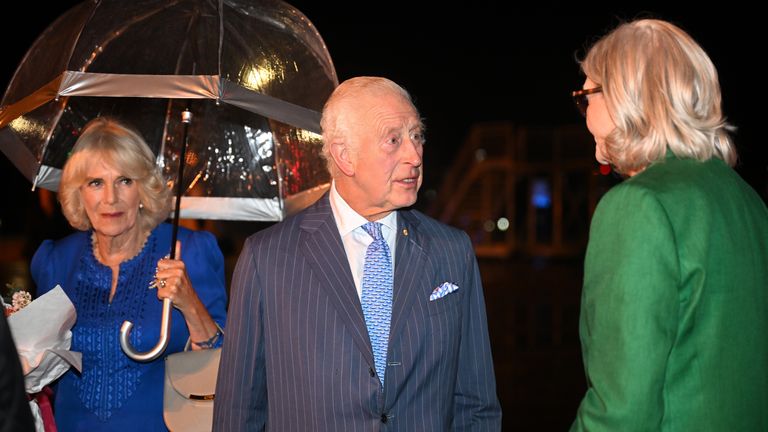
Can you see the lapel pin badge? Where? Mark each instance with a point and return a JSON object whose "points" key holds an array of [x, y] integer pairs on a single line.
{"points": [[405, 232]]}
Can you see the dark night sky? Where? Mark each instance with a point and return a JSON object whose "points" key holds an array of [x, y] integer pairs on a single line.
{"points": [[477, 61], [488, 60]]}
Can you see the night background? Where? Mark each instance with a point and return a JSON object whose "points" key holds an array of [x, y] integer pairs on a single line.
{"points": [[473, 64]]}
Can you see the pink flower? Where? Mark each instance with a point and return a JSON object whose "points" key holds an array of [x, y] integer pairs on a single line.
{"points": [[20, 299]]}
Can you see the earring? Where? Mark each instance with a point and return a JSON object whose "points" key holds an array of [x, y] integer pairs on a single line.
{"points": [[141, 206]]}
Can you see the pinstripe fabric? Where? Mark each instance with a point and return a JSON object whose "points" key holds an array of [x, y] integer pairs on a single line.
{"points": [[297, 355]]}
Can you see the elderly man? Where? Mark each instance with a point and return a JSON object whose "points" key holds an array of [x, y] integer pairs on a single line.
{"points": [[358, 314]]}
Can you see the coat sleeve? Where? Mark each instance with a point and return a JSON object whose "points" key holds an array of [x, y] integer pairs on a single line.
{"points": [[15, 414], [629, 312], [54, 261], [241, 388], [476, 405], [42, 268], [205, 266]]}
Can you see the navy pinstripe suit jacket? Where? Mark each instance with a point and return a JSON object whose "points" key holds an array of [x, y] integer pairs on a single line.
{"points": [[297, 356]]}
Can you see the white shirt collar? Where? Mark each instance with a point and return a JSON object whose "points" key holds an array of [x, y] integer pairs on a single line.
{"points": [[348, 220], [355, 239]]}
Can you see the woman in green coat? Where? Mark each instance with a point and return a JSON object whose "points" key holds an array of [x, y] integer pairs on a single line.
{"points": [[674, 311]]}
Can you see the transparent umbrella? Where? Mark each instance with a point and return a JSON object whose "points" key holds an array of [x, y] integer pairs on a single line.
{"points": [[254, 75]]}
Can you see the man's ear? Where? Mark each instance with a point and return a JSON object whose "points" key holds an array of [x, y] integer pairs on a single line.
{"points": [[343, 157]]}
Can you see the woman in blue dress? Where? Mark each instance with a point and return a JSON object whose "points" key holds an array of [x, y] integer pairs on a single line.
{"points": [[116, 269]]}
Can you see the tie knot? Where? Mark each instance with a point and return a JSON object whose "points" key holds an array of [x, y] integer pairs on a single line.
{"points": [[373, 229]]}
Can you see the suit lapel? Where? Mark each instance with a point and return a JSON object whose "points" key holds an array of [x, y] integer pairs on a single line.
{"points": [[325, 253], [410, 270]]}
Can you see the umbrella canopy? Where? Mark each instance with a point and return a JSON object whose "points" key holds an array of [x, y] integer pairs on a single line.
{"points": [[254, 74]]}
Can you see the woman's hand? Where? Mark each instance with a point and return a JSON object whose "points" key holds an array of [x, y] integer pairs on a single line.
{"points": [[173, 282]]}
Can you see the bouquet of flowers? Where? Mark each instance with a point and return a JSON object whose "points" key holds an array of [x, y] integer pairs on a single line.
{"points": [[17, 299], [41, 330]]}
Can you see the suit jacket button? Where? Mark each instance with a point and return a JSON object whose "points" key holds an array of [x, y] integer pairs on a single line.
{"points": [[384, 418], [372, 372]]}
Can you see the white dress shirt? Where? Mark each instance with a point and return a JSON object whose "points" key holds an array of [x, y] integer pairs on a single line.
{"points": [[354, 237]]}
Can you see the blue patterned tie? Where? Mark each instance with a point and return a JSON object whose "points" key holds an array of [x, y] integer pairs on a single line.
{"points": [[377, 295]]}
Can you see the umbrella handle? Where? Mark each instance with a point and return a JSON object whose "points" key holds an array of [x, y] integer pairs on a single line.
{"points": [[162, 344], [165, 320]]}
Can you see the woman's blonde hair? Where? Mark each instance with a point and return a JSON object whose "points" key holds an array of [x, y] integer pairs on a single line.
{"points": [[662, 91], [109, 140]]}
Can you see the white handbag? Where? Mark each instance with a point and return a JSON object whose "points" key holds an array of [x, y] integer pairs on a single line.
{"points": [[189, 389]]}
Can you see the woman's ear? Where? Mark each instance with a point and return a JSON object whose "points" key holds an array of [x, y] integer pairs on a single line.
{"points": [[343, 157]]}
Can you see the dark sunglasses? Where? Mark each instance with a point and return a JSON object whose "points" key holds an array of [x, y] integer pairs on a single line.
{"points": [[581, 99]]}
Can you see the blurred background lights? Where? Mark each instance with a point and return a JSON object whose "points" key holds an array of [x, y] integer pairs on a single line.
{"points": [[480, 155], [489, 225], [541, 196]]}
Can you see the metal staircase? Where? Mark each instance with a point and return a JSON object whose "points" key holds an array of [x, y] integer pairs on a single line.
{"points": [[521, 189]]}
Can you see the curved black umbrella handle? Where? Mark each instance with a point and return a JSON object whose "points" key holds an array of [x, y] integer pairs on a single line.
{"points": [[162, 343]]}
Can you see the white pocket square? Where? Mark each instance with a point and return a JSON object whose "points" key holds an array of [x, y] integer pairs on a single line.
{"points": [[443, 290]]}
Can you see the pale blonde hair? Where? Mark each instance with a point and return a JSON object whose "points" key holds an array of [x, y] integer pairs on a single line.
{"points": [[335, 119], [662, 91], [123, 148]]}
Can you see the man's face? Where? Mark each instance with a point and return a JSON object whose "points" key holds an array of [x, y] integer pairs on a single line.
{"points": [[386, 141]]}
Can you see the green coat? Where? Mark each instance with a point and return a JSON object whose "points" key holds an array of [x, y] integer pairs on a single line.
{"points": [[674, 310]]}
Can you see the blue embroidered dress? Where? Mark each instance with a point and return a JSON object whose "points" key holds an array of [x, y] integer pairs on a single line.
{"points": [[113, 392]]}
